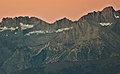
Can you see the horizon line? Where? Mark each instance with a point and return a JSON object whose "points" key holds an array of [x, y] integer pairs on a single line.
{"points": [[57, 18]]}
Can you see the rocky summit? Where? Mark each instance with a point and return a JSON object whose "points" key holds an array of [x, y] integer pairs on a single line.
{"points": [[91, 45]]}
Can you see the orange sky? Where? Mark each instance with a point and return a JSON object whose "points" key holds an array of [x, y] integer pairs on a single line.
{"points": [[51, 10]]}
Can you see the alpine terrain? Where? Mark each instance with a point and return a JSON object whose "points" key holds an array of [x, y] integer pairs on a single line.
{"points": [[90, 45]]}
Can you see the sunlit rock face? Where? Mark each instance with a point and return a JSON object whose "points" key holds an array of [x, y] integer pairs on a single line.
{"points": [[30, 43]]}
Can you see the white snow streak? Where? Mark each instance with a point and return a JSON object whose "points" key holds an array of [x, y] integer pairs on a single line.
{"points": [[26, 26], [23, 27], [45, 32], [6, 28], [105, 24], [116, 16]]}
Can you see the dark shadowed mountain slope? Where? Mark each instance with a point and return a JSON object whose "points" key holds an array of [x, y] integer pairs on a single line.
{"points": [[106, 66]]}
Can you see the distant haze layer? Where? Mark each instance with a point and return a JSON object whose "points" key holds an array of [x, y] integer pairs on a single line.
{"points": [[50, 10]]}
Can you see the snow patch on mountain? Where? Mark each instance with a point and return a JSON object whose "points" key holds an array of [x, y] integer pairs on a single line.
{"points": [[46, 31], [15, 32], [38, 32], [63, 29], [116, 16], [26, 26], [42, 49], [23, 27], [105, 24], [6, 28]]}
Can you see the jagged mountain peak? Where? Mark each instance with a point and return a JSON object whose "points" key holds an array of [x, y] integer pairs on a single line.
{"points": [[23, 19], [15, 22], [109, 8], [38, 43], [65, 20], [106, 15], [62, 23]]}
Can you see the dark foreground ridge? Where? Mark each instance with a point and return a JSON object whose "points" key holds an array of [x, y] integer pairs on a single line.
{"points": [[91, 45]]}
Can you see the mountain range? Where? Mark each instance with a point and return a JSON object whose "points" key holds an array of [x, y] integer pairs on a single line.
{"points": [[90, 45]]}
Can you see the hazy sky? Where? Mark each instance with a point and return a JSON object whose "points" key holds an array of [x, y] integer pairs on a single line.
{"points": [[51, 10]]}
